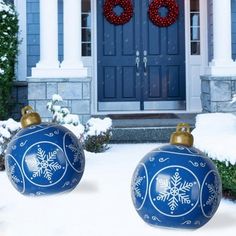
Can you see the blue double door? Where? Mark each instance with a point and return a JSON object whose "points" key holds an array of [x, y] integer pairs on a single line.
{"points": [[140, 66]]}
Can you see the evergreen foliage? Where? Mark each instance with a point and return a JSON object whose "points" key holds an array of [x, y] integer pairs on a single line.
{"points": [[8, 53], [227, 172]]}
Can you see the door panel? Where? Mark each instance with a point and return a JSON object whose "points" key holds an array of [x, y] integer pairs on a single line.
{"points": [[154, 82], [158, 80], [128, 82], [173, 78], [166, 49], [117, 53], [109, 82]]}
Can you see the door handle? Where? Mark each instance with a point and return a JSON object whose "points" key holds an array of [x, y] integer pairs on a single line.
{"points": [[145, 61], [137, 62]]}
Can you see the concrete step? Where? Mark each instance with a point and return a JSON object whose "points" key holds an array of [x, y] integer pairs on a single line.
{"points": [[142, 134], [143, 128]]}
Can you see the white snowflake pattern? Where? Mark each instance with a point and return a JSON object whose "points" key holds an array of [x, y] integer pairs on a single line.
{"points": [[174, 191], [75, 151], [45, 164], [13, 176], [138, 181], [214, 191]]}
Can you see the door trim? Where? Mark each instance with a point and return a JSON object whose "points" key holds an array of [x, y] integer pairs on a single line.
{"points": [[196, 65], [190, 107], [165, 105], [118, 106]]}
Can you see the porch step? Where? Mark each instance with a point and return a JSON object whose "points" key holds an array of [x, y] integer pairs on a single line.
{"points": [[142, 134], [143, 128]]}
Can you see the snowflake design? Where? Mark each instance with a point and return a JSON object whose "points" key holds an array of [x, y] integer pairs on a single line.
{"points": [[75, 152], [175, 192], [12, 173], [137, 183], [45, 164], [213, 191]]}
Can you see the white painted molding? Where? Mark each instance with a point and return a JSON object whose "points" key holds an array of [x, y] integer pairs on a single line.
{"points": [[59, 73], [224, 70]]}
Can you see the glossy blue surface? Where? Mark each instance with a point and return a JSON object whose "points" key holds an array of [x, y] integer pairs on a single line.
{"points": [[44, 159], [176, 186]]}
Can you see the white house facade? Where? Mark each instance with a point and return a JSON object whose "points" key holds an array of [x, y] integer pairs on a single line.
{"points": [[69, 47]]}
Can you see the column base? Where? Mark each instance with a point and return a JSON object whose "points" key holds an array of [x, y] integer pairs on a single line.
{"points": [[59, 73], [45, 72], [222, 69], [74, 72]]}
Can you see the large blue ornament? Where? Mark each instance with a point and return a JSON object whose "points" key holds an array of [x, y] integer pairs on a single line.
{"points": [[176, 185], [44, 158]]}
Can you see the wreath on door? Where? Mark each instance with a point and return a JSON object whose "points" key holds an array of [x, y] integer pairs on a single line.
{"points": [[169, 19], [112, 17]]}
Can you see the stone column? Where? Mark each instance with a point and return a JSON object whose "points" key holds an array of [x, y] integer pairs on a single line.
{"points": [[48, 39], [72, 65], [222, 63]]}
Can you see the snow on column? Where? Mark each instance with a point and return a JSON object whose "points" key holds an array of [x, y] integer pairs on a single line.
{"points": [[222, 63], [72, 64], [48, 38]]}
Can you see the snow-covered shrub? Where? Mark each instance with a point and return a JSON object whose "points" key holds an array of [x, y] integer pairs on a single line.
{"points": [[61, 115], [97, 134], [8, 128], [8, 53]]}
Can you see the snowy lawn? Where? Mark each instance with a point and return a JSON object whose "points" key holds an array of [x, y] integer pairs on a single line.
{"points": [[101, 204]]}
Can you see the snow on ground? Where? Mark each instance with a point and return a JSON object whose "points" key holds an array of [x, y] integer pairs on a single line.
{"points": [[215, 134], [101, 204]]}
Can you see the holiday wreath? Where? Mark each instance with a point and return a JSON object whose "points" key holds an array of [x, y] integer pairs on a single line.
{"points": [[169, 19], [112, 17]]}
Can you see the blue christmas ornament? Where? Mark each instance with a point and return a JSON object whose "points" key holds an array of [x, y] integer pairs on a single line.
{"points": [[176, 185], [43, 158]]}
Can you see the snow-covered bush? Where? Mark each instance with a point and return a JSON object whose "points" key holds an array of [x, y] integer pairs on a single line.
{"points": [[8, 128], [97, 134], [61, 115], [8, 53]]}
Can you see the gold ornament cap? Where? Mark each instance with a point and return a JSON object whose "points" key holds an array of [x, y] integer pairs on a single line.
{"points": [[182, 136], [29, 117]]}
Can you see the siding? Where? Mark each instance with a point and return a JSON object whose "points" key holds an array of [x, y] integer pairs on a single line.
{"points": [[210, 29], [33, 41], [234, 29]]}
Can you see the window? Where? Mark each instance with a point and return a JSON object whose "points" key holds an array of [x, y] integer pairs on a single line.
{"points": [[195, 27], [86, 28]]}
